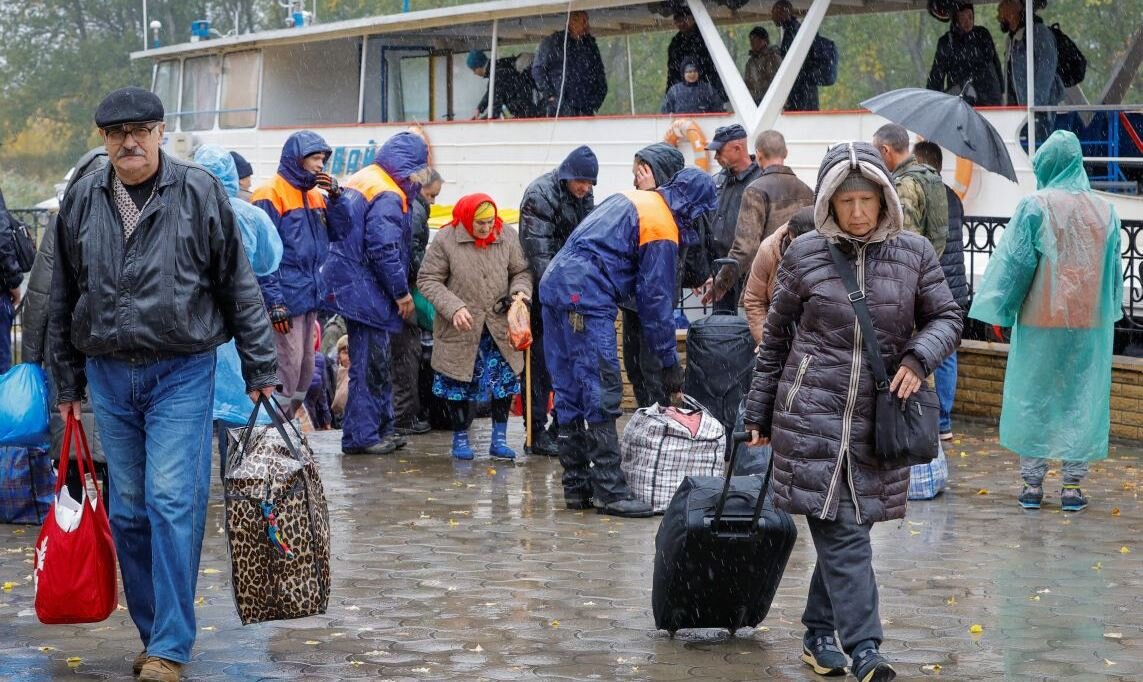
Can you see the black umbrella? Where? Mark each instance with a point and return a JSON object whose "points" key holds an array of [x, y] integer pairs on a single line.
{"points": [[949, 121]]}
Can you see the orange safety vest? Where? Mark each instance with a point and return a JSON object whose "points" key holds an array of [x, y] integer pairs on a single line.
{"points": [[655, 218], [285, 197], [373, 180]]}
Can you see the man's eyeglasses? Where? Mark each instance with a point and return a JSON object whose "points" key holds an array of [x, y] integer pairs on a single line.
{"points": [[117, 134]]}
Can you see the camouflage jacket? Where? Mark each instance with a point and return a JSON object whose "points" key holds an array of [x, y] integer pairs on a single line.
{"points": [[924, 202]]}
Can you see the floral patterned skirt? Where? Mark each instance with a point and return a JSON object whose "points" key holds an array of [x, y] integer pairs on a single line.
{"points": [[492, 377]]}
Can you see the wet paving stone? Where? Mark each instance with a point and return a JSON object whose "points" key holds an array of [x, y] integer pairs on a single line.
{"points": [[456, 571]]}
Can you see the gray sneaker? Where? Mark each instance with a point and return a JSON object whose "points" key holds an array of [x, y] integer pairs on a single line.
{"points": [[820, 652]]}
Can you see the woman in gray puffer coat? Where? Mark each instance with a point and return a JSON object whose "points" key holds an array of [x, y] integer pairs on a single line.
{"points": [[812, 394]]}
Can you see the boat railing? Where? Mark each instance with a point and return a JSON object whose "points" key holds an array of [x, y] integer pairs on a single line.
{"points": [[1111, 136]]}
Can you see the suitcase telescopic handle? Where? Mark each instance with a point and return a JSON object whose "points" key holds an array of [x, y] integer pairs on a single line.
{"points": [[733, 442]]}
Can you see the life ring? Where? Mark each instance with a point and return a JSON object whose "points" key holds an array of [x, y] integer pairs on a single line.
{"points": [[420, 132], [685, 128], [962, 180]]}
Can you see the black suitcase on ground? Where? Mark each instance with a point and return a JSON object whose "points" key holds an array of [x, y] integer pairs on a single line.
{"points": [[720, 552], [720, 359]]}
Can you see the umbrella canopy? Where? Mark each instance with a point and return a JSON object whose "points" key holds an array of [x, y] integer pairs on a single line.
{"points": [[949, 121]]}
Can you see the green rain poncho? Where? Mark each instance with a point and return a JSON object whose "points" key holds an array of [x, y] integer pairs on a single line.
{"points": [[1056, 279]]}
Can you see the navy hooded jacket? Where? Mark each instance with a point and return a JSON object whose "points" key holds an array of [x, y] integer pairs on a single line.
{"points": [[297, 208], [368, 267], [625, 253]]}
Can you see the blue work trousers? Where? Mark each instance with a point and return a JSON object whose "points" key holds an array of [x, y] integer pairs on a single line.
{"points": [[584, 364], [945, 378], [369, 406], [154, 420]]}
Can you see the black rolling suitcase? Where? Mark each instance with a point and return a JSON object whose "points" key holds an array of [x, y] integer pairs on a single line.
{"points": [[720, 552]]}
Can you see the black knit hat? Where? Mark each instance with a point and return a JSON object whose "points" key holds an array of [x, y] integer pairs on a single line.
{"points": [[243, 166], [128, 105]]}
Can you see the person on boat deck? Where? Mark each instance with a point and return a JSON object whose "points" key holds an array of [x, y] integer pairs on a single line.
{"points": [[293, 292], [692, 95], [688, 45], [472, 273], [967, 53], [367, 284], [553, 205], [804, 94], [579, 89], [515, 91], [762, 65], [626, 250], [1057, 277], [1049, 87]]}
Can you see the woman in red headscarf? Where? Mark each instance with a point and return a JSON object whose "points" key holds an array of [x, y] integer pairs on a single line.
{"points": [[473, 269]]}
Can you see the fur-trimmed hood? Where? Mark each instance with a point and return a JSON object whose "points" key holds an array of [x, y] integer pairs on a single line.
{"points": [[836, 166]]}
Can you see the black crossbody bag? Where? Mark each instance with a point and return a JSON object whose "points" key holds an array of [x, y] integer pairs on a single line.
{"points": [[906, 431]]}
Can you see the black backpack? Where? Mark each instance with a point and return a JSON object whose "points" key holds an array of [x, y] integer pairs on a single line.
{"points": [[23, 244], [821, 63], [1071, 65]]}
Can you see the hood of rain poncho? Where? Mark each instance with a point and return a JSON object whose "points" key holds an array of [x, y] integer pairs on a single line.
{"points": [[690, 194], [838, 163], [1059, 164], [401, 157], [664, 161], [1056, 277], [298, 146], [259, 236]]}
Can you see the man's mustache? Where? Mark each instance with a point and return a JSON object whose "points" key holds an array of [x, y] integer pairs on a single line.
{"points": [[130, 152]]}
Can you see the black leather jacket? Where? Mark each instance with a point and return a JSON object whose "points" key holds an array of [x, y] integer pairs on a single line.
{"points": [[548, 215], [181, 285]]}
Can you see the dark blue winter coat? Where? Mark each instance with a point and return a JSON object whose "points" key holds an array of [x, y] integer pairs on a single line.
{"points": [[298, 210], [367, 269], [621, 255]]}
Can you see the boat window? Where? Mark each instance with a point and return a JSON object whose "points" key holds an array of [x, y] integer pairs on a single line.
{"points": [[311, 84], [240, 71], [166, 86], [200, 93]]}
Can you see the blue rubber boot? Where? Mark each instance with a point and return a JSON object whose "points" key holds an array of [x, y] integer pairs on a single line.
{"points": [[460, 447], [499, 446]]}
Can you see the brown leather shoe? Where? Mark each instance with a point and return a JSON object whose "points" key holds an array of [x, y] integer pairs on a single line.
{"points": [[160, 670], [139, 661]]}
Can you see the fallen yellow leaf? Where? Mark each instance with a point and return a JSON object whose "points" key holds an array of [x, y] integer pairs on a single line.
{"points": [[311, 642], [982, 491], [1113, 635], [8, 586], [210, 571], [490, 471], [555, 623], [74, 661], [976, 629], [1107, 662], [951, 601], [201, 601], [453, 522], [1098, 566], [1115, 511], [934, 668], [1124, 550], [46, 649]]}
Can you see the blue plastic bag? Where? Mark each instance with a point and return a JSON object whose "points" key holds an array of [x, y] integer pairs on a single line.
{"points": [[24, 408], [231, 404]]}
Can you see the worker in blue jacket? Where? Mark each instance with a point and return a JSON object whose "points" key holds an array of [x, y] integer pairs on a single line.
{"points": [[623, 253], [367, 283], [297, 208]]}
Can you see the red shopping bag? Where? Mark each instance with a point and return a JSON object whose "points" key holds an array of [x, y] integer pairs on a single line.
{"points": [[75, 557]]}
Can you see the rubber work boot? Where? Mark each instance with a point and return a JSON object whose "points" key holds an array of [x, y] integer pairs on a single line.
{"points": [[461, 449], [609, 487], [1072, 499], [870, 666], [382, 448], [820, 652], [160, 670], [1031, 496], [498, 448], [573, 445], [546, 443]]}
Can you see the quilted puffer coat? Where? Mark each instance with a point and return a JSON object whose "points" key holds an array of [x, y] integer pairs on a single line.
{"points": [[813, 389]]}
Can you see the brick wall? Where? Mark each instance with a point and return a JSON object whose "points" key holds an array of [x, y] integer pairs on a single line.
{"points": [[980, 385]]}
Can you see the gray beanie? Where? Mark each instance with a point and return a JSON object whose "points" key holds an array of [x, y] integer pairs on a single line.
{"points": [[856, 182]]}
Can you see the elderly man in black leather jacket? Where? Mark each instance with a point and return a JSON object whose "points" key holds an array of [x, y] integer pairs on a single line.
{"points": [[150, 277], [552, 206]]}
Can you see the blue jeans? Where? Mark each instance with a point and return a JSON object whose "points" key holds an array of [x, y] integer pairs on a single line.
{"points": [[6, 313], [945, 377], [154, 420]]}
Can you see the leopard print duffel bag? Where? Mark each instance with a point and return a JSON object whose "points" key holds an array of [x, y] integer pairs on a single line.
{"points": [[277, 522]]}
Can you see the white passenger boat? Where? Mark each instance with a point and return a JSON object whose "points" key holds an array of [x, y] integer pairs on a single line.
{"points": [[357, 82]]}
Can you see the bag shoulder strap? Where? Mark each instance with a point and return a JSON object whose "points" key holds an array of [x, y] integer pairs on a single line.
{"points": [[861, 308]]}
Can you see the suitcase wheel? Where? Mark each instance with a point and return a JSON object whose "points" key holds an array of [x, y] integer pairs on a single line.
{"points": [[671, 633]]}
